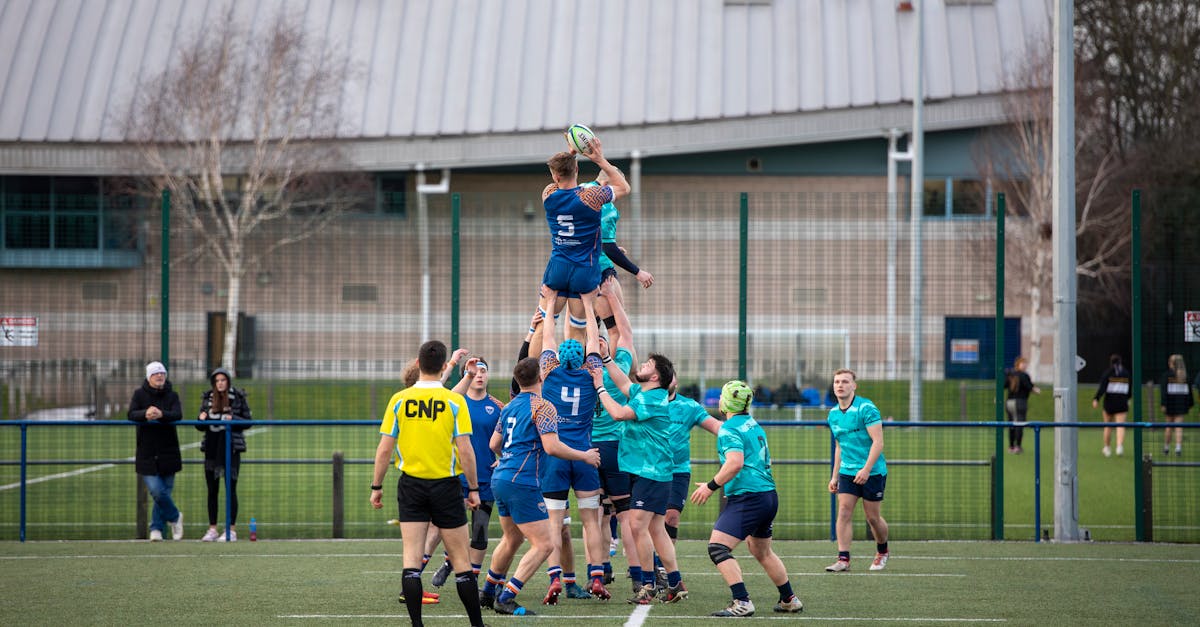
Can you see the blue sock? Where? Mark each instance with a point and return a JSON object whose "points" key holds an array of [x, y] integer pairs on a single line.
{"points": [[785, 591], [425, 561], [844, 556], [554, 572], [607, 569], [568, 578], [648, 577], [739, 591], [657, 561], [673, 578], [494, 580], [635, 573], [510, 591]]}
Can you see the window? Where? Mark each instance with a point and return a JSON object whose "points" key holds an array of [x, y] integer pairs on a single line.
{"points": [[390, 194], [957, 198], [359, 293], [64, 213]]}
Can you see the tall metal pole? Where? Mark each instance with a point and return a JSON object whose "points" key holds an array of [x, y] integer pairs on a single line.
{"points": [[164, 325], [455, 268], [998, 509], [743, 289], [1135, 251], [1066, 440], [423, 247], [892, 210], [916, 269]]}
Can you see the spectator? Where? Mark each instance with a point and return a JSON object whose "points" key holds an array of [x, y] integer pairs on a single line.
{"points": [[1177, 401], [220, 403], [1019, 386], [155, 407], [1114, 389]]}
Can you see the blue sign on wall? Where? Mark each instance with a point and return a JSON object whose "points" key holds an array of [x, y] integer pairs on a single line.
{"points": [[970, 346]]}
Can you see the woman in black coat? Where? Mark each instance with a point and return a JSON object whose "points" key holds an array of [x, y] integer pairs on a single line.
{"points": [[1177, 401], [156, 409], [222, 402], [1019, 386], [1114, 388]]}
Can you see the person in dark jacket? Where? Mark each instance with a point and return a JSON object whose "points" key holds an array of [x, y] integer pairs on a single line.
{"points": [[1177, 401], [1114, 388], [1019, 387], [222, 402], [156, 409]]}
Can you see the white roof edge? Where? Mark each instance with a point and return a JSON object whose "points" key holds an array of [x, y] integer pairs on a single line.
{"points": [[463, 151]]}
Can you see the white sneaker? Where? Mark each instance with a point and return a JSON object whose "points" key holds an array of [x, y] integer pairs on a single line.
{"points": [[177, 527], [155, 535], [790, 606], [1107, 452], [1120, 450], [736, 608], [838, 566], [880, 561], [210, 535], [232, 536]]}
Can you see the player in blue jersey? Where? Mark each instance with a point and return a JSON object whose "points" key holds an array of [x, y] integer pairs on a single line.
{"points": [[526, 433], [751, 505], [645, 453], [485, 412], [573, 216], [568, 386], [859, 470]]}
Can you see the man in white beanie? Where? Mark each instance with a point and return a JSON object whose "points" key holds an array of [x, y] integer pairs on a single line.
{"points": [[156, 409]]}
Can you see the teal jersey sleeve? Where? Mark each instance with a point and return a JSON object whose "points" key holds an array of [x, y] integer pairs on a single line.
{"points": [[645, 447], [743, 434], [604, 428], [685, 415], [849, 427]]}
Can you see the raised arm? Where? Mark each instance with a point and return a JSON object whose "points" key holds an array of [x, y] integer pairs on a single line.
{"points": [[616, 179]]}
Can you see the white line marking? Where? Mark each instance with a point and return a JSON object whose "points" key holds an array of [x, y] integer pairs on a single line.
{"points": [[83, 471], [639, 616]]}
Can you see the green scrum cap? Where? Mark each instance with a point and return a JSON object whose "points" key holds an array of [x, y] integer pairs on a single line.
{"points": [[736, 397]]}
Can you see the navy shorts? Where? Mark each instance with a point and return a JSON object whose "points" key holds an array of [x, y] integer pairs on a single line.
{"points": [[485, 490], [680, 483], [649, 495], [522, 503], [560, 475], [872, 490], [566, 277], [748, 514], [608, 273], [614, 480]]}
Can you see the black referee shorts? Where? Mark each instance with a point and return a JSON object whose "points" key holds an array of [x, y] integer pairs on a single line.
{"points": [[431, 500]]}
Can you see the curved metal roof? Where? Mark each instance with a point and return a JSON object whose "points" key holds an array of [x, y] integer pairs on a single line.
{"points": [[456, 82]]}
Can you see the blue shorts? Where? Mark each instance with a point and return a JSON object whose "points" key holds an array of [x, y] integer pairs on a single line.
{"points": [[649, 495], [614, 480], [522, 503], [608, 273], [485, 489], [872, 490], [680, 483], [566, 277], [560, 475], [748, 514]]}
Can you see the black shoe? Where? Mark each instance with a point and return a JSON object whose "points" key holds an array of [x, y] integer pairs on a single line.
{"points": [[512, 608], [487, 600], [442, 574]]}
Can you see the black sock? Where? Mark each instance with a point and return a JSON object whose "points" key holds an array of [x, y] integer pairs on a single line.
{"points": [[844, 556], [413, 591], [785, 591], [881, 548], [468, 593]]}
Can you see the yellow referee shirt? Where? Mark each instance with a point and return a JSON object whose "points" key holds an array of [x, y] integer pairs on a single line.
{"points": [[425, 419]]}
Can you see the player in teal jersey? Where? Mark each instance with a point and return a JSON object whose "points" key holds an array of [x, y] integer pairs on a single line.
{"points": [[751, 505], [645, 454], [859, 470]]}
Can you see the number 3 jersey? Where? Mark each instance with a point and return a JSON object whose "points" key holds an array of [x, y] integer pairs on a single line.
{"points": [[522, 422], [741, 433], [574, 398]]}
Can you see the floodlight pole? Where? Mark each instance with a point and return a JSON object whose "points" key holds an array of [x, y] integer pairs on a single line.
{"points": [[916, 209], [423, 189], [1066, 440]]}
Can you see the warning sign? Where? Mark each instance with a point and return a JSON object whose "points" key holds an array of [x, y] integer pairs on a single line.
{"points": [[18, 331], [1191, 326]]}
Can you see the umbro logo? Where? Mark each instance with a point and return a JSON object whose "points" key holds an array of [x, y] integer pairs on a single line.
{"points": [[640, 503], [879, 495]]}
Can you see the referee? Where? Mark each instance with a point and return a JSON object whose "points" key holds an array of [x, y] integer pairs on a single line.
{"points": [[428, 428]]}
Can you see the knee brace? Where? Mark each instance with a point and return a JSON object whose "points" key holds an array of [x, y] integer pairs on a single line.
{"points": [[718, 553], [555, 504], [479, 527], [589, 502], [673, 531], [608, 508], [610, 322], [621, 505]]}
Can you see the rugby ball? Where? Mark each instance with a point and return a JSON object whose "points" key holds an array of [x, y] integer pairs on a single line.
{"points": [[580, 138]]}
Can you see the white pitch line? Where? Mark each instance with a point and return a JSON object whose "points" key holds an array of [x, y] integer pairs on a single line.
{"points": [[98, 467], [639, 616]]}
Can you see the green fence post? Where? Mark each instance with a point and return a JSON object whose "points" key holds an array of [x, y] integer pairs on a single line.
{"points": [[455, 266], [1141, 533], [743, 272], [998, 457], [165, 305]]}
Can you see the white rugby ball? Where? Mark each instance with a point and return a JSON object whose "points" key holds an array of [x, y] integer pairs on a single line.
{"points": [[580, 137]]}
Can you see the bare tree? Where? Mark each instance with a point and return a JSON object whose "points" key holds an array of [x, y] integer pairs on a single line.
{"points": [[1018, 160], [239, 127]]}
